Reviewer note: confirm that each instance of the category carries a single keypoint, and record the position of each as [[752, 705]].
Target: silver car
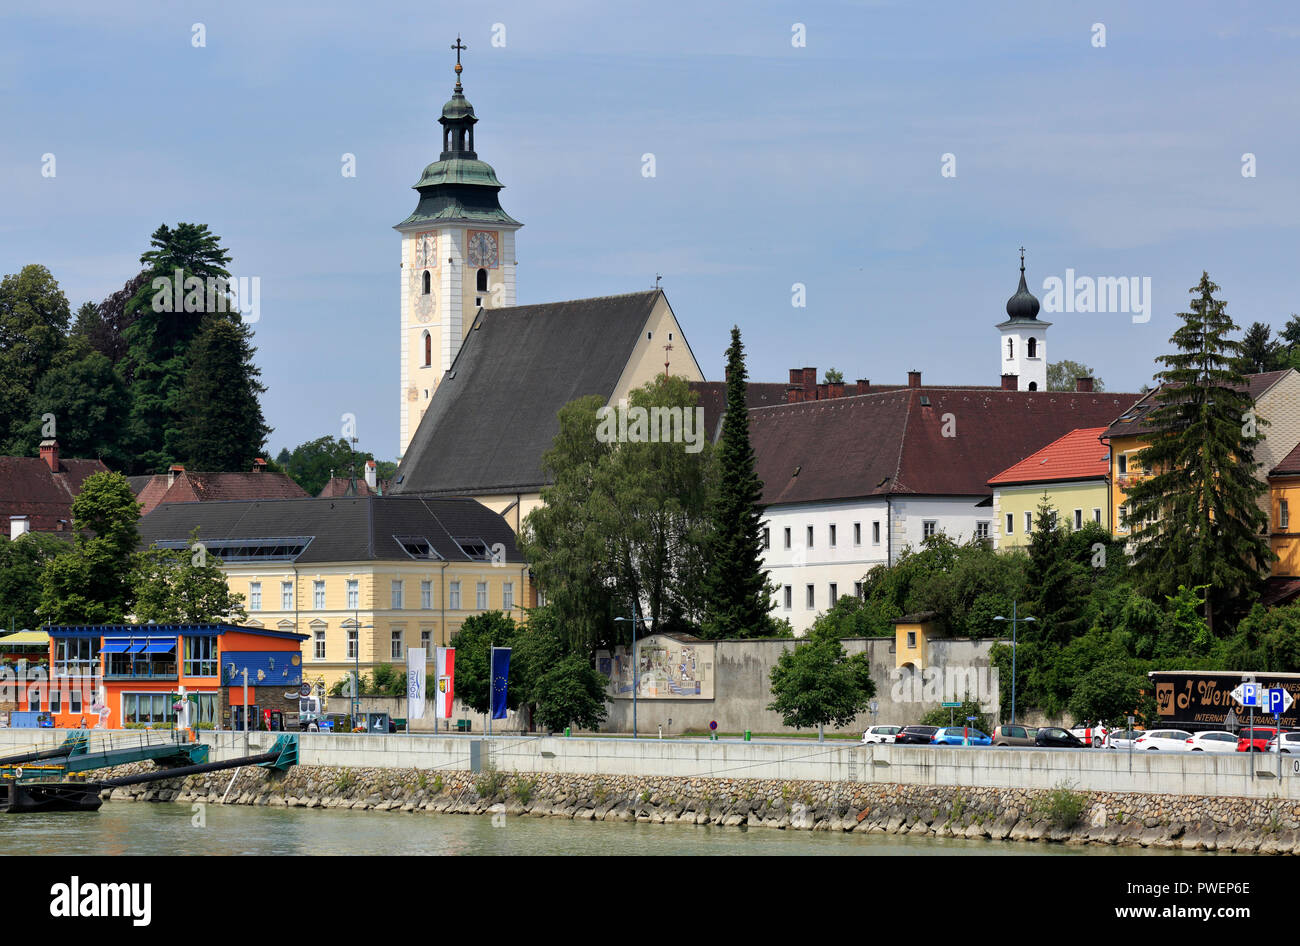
[[1290, 743]]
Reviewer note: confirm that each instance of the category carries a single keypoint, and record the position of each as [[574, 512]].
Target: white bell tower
[[1023, 342]]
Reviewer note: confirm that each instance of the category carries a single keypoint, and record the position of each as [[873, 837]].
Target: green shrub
[[522, 789], [1062, 806], [490, 782], [345, 781], [437, 784]]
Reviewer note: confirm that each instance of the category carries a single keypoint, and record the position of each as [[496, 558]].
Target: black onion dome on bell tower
[[1023, 305]]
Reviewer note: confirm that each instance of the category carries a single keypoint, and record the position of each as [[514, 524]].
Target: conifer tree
[[1196, 519], [737, 594], [221, 420]]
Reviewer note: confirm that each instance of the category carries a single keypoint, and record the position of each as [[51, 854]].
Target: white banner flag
[[415, 683]]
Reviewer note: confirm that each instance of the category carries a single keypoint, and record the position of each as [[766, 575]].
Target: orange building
[[130, 674]]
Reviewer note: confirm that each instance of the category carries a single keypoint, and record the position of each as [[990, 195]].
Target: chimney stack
[[259, 465], [19, 525], [1010, 382], [50, 454], [1083, 385], [914, 379], [810, 384], [372, 476], [864, 385], [823, 391], [796, 376], [174, 471], [793, 394], [835, 388]]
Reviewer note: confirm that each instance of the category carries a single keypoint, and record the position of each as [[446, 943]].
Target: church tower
[[458, 255], [1023, 345]]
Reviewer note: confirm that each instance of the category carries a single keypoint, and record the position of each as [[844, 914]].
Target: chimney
[[19, 525], [174, 471], [1083, 385], [796, 376], [864, 385], [914, 379], [810, 384], [1010, 382], [372, 476], [793, 394], [50, 454], [259, 465], [823, 391], [836, 388]]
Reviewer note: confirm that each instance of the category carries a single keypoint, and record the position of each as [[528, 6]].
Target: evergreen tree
[[221, 425], [34, 318], [737, 593], [1196, 518], [1056, 580], [1259, 351]]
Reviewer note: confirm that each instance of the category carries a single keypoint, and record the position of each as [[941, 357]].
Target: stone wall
[[1011, 814]]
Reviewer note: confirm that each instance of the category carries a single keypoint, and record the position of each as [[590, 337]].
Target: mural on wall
[[671, 668]]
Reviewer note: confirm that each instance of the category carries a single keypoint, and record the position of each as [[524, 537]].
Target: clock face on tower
[[426, 250], [482, 249]]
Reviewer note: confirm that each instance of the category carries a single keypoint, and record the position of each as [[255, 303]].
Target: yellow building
[[1070, 472], [366, 578], [912, 633], [1284, 531], [1276, 395]]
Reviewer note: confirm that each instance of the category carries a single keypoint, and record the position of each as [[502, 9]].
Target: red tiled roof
[[1079, 455], [214, 487], [28, 487], [892, 443]]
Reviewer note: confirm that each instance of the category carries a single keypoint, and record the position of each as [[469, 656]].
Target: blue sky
[[775, 165]]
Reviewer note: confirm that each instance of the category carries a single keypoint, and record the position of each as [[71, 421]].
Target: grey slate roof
[[495, 411], [341, 530]]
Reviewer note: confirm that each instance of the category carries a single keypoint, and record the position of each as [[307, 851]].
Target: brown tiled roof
[[342, 486], [1137, 421], [892, 443], [28, 487], [713, 398], [1289, 464], [213, 487], [1279, 590]]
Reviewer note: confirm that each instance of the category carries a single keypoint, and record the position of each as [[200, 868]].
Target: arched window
[[426, 282], [1033, 385], [1033, 348], [482, 280], [1011, 348], [428, 349]]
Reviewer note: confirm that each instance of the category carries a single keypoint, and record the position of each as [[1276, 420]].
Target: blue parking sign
[[1248, 697]]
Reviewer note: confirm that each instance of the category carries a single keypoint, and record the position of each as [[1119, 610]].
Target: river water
[[165, 828]]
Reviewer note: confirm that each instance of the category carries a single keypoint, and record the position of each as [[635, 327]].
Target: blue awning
[[137, 648], [115, 647], [160, 647]]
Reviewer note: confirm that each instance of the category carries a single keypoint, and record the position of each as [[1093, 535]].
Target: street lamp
[[356, 663], [635, 665], [1014, 621]]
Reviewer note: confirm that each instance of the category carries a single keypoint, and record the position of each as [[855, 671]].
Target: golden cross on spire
[[458, 47]]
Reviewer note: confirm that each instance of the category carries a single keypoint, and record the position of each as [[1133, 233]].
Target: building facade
[[1070, 473]]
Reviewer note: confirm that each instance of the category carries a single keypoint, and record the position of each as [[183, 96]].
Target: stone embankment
[[1120, 818]]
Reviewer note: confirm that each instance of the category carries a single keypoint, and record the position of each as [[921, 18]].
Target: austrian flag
[[445, 670]]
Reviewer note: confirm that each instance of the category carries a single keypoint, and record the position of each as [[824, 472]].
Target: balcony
[[140, 670], [77, 668]]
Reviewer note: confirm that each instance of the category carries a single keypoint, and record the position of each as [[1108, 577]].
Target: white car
[[1211, 742], [1171, 740], [880, 734], [1290, 743], [1122, 738], [1094, 735]]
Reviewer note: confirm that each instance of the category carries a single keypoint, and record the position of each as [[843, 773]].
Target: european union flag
[[500, 677]]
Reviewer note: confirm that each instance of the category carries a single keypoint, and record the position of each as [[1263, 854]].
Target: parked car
[[1171, 740], [959, 736], [1094, 735], [1121, 738], [915, 735], [1056, 737], [1013, 736], [1290, 743], [880, 734], [1255, 740], [1211, 741]]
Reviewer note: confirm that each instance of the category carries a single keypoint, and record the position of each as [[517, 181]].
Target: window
[[255, 596], [1283, 516], [832, 537], [1032, 348], [507, 595], [982, 529], [1078, 519], [911, 640], [428, 349], [857, 589], [352, 643], [1033, 385], [834, 594], [481, 283], [426, 595], [767, 539], [1011, 348], [789, 597], [397, 595], [74, 700], [480, 596], [928, 527], [453, 596], [811, 597], [1122, 460], [810, 537], [1096, 516], [1029, 522], [55, 699], [426, 641], [875, 533], [319, 644], [396, 651], [1011, 524], [354, 594], [787, 538], [286, 596], [318, 595], [425, 283], [147, 707], [200, 657], [857, 533]]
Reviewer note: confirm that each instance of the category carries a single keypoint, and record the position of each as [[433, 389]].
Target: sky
[[889, 157]]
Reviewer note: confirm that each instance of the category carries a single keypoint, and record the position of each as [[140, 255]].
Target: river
[[162, 828]]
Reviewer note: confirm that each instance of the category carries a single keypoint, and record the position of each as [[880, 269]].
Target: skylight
[[275, 549], [417, 546]]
